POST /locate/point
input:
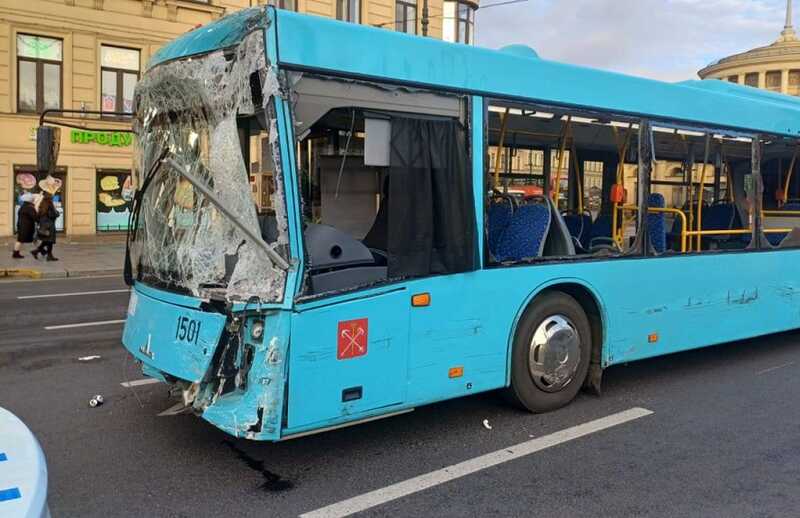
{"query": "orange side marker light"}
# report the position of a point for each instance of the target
(421, 300)
(652, 338)
(455, 372)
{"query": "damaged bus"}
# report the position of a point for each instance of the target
(336, 223)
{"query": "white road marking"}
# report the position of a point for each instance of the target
(759, 373)
(137, 383)
(73, 294)
(75, 278)
(462, 469)
(84, 324)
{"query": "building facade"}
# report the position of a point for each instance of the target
(774, 67)
(89, 54)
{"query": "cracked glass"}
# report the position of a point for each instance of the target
(201, 113)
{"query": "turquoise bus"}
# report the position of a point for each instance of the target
(329, 226)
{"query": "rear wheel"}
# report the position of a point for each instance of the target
(551, 352)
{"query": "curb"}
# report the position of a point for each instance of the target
(59, 274)
(20, 272)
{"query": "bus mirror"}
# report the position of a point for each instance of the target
(376, 141)
(48, 141)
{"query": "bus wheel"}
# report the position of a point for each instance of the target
(551, 353)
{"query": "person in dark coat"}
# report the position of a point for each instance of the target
(26, 224)
(46, 231)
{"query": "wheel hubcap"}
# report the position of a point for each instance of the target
(555, 353)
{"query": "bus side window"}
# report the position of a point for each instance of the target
(562, 184)
(781, 192)
(386, 183)
(703, 179)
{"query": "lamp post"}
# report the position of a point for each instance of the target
(424, 17)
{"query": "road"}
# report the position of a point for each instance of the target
(723, 438)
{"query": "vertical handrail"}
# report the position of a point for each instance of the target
(562, 149)
(503, 120)
(622, 149)
(789, 175)
(700, 193)
(576, 163)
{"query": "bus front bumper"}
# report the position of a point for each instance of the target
(230, 376)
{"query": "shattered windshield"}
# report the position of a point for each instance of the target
(206, 114)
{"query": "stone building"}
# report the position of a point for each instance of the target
(775, 67)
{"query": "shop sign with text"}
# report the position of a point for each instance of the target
(104, 138)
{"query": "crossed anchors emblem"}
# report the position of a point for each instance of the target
(352, 334)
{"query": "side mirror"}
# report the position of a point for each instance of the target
(48, 141)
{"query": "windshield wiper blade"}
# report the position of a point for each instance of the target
(274, 256)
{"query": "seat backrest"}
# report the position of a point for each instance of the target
(656, 226)
(601, 226)
(580, 227)
(719, 216)
(525, 234)
(500, 214)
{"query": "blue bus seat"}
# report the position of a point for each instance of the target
(656, 226)
(600, 233)
(580, 227)
(500, 214)
(524, 237)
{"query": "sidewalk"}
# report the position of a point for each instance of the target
(79, 256)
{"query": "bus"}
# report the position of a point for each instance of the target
(318, 238)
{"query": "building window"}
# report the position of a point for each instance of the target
(283, 4)
(38, 73)
(114, 197)
(794, 82)
(405, 16)
(774, 80)
(28, 180)
(348, 10)
(119, 74)
(751, 79)
(459, 22)
(733, 79)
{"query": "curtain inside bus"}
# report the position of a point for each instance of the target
(431, 226)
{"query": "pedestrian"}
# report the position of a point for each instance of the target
(26, 223)
(46, 230)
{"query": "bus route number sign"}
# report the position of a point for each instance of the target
(352, 338)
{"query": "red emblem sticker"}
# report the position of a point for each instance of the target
(352, 338)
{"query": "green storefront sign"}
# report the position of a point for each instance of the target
(104, 138)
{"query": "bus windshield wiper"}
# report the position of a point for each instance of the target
(274, 256)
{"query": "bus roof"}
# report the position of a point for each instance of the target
(319, 44)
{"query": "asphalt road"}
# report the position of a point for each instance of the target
(723, 438)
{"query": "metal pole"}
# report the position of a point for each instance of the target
(425, 17)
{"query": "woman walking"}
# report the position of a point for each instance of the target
(46, 232)
(26, 223)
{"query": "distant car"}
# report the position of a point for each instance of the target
(23, 471)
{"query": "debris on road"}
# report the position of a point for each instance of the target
(486, 424)
(97, 400)
(89, 358)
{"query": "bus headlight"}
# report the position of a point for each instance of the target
(257, 330)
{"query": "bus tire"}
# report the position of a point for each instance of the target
(551, 353)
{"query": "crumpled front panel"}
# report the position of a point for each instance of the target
(190, 107)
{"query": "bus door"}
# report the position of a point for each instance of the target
(348, 357)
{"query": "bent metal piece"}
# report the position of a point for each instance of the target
(200, 186)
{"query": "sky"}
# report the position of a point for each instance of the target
(663, 39)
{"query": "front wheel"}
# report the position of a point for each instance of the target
(551, 352)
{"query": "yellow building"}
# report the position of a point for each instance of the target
(775, 67)
(89, 54)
